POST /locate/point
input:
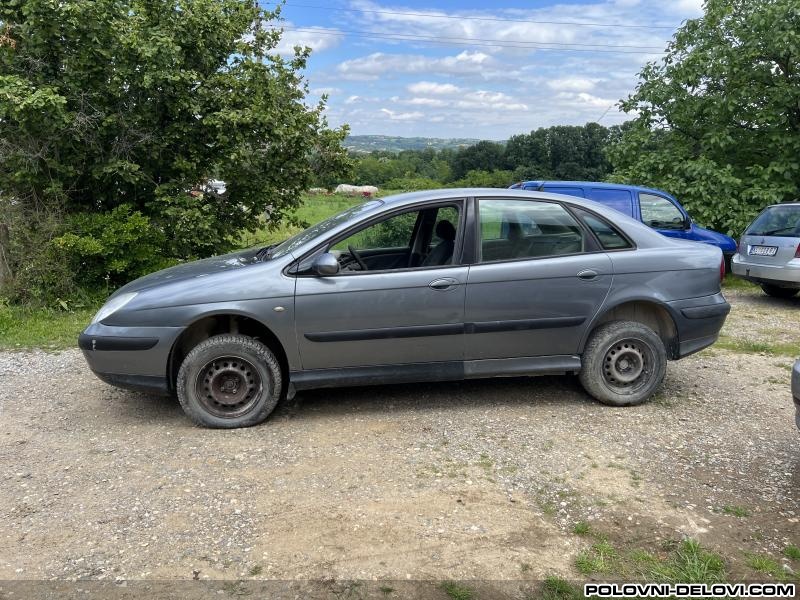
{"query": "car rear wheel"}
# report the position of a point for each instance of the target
(623, 364)
(779, 292)
(229, 381)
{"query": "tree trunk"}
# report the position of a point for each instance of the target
(5, 268)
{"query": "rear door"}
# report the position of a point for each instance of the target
(537, 284)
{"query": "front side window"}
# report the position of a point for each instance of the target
(520, 229)
(418, 238)
(660, 213)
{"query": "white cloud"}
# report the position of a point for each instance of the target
(352, 99)
(425, 101)
(572, 84)
(402, 116)
(428, 87)
(316, 38)
(377, 64)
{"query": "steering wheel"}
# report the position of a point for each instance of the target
(358, 258)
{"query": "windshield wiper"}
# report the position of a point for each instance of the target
(774, 231)
(265, 252)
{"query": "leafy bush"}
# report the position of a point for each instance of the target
(109, 249)
(491, 179)
(413, 184)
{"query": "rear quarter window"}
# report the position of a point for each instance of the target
(618, 199)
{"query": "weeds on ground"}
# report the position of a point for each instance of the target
(555, 588)
(792, 551)
(456, 591)
(735, 511)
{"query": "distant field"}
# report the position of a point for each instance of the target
(315, 208)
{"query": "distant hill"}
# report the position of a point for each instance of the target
(392, 143)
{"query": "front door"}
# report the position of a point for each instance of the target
(398, 299)
(537, 284)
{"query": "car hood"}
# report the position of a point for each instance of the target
(193, 270)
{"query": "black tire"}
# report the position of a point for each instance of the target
(229, 381)
(779, 292)
(623, 363)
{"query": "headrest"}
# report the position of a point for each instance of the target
(445, 230)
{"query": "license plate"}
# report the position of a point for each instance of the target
(763, 250)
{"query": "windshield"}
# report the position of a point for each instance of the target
(309, 234)
(777, 220)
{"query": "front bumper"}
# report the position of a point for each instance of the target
(787, 274)
(698, 322)
(796, 392)
(135, 358)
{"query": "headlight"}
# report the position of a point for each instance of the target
(112, 306)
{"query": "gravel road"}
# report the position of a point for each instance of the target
(476, 480)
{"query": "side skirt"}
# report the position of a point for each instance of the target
(439, 371)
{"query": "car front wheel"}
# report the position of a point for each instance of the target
(779, 292)
(229, 381)
(623, 364)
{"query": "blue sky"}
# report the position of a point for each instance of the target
(462, 68)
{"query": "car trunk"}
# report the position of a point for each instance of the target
(769, 250)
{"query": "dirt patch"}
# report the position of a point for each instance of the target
(475, 480)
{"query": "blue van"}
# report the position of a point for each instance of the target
(652, 207)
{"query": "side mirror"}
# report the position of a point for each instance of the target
(325, 264)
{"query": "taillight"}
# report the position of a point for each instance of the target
(722, 269)
(742, 248)
(797, 252)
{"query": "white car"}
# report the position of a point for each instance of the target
(769, 251)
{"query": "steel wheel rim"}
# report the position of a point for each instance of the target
(229, 386)
(628, 366)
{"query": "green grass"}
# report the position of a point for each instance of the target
(731, 282)
(735, 511)
(750, 347)
(555, 588)
(602, 558)
(686, 562)
(23, 327)
(792, 551)
(767, 565)
(255, 570)
(581, 528)
(456, 591)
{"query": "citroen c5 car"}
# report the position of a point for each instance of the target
(769, 251)
(428, 286)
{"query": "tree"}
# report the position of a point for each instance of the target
(485, 155)
(105, 103)
(719, 116)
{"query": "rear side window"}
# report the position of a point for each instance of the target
(609, 236)
(520, 229)
(617, 199)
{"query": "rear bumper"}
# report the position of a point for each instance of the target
(698, 322)
(787, 275)
(796, 392)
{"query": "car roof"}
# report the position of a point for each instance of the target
(597, 184)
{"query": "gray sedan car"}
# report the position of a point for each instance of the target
(428, 286)
(769, 251)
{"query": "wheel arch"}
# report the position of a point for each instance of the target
(650, 312)
(219, 323)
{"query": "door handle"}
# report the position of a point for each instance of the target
(587, 274)
(443, 284)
